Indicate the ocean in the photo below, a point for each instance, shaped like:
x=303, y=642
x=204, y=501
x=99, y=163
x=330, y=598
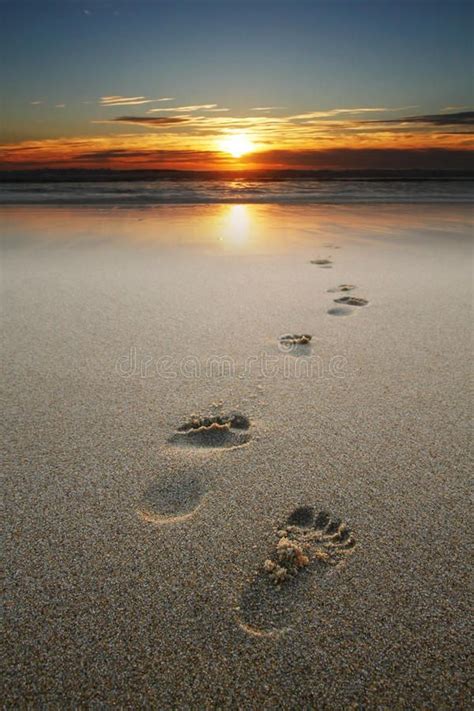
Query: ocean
x=293, y=191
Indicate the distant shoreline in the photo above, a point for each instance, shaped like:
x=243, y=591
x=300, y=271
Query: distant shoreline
x=60, y=175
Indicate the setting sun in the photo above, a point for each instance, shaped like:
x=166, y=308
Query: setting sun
x=237, y=145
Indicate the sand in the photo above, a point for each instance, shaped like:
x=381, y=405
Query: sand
x=132, y=561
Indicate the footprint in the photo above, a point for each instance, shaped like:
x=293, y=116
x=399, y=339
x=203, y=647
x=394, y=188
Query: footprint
x=351, y=301
x=325, y=263
x=214, y=431
x=306, y=548
x=172, y=498
x=342, y=287
x=293, y=339
x=340, y=311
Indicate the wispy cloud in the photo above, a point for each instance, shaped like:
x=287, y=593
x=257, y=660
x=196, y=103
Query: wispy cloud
x=130, y=100
x=149, y=158
x=111, y=154
x=315, y=129
x=266, y=108
x=148, y=120
x=455, y=108
x=186, y=109
x=331, y=113
x=117, y=97
x=460, y=118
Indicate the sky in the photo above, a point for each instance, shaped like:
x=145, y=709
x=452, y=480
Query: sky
x=223, y=84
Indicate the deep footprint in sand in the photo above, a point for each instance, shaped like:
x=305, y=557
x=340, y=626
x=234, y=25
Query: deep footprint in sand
x=172, y=498
x=323, y=263
x=307, y=547
x=340, y=311
x=341, y=287
x=215, y=431
x=293, y=339
x=351, y=301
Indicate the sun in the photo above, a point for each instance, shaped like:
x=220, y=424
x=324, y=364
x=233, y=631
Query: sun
x=237, y=145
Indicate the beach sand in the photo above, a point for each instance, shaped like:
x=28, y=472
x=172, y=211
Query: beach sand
x=134, y=550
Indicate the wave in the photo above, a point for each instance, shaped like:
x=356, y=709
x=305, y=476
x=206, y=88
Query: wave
x=237, y=191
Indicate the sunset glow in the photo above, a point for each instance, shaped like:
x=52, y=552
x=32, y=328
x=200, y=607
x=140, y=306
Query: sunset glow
x=237, y=145
x=164, y=102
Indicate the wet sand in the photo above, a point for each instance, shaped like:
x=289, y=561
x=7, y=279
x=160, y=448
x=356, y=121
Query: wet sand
x=135, y=539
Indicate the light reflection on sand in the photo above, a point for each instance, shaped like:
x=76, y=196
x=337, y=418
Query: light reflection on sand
x=237, y=224
x=239, y=229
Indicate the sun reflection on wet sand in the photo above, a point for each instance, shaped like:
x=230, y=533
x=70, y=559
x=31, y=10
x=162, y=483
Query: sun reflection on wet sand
x=237, y=228
x=238, y=219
